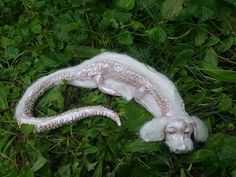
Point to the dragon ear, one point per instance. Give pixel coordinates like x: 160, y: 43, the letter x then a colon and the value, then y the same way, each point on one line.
x: 200, y: 129
x: 154, y: 130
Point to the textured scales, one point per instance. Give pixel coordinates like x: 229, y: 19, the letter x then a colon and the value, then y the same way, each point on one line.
x: 105, y: 68
x: 68, y: 117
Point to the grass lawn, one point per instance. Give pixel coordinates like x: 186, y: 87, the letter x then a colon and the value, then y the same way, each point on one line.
x: 193, y: 42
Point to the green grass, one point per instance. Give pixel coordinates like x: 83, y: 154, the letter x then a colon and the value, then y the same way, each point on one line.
x: 193, y: 42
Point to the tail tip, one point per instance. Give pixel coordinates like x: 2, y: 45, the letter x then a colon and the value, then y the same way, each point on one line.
x: 118, y: 122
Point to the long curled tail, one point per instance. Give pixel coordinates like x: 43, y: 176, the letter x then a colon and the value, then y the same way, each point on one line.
x: 24, y: 109
x: 71, y: 116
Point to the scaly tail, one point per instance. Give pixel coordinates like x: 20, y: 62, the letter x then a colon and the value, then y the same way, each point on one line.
x: 25, y: 106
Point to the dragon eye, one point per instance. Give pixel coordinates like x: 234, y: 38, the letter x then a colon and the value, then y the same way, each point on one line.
x: 188, y: 131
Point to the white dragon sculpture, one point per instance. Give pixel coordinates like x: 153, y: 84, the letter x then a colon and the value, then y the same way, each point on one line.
x: 120, y: 75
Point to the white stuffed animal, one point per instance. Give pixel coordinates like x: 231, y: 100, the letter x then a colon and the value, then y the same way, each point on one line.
x: 120, y: 75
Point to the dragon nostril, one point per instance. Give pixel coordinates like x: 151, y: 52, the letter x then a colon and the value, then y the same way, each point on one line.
x: 178, y: 151
x: 181, y: 149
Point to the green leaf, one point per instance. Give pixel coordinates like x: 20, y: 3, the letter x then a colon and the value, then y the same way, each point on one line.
x: 11, y: 52
x: 215, y: 141
x: 3, y: 96
x: 224, y: 147
x: 41, y: 161
x: 35, y: 26
x: 224, y: 144
x: 219, y: 74
x: 182, y: 58
x: 82, y: 51
x: 137, y: 25
x: 171, y: 9
x: 24, y: 66
x: 54, y: 97
x: 5, y: 42
x: 125, y: 37
x: 27, y: 129
x: 135, y: 115
x: 109, y: 19
x: 180, y: 61
x: 6, y: 142
x: 157, y: 34
x: 234, y: 40
x: 89, y: 149
x: 77, y: 169
x: 64, y: 170
x: 91, y: 166
x: 233, y: 173
x: 126, y: 4
x: 206, y: 13
x: 233, y: 2
x: 225, y: 103
x: 200, y: 38
x: 202, y: 155
x: 69, y: 27
x: 122, y: 16
x: 182, y: 173
x: 213, y: 41
x: 98, y: 171
x: 227, y: 152
x: 211, y: 57
x: 53, y: 60
x: 229, y: 140
x: 226, y: 44
x: 26, y: 173
x: 140, y: 146
x: 94, y: 98
x: 201, y: 9
x: 114, y: 142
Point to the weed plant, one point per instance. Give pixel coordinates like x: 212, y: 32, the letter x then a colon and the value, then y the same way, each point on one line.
x: 193, y: 42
